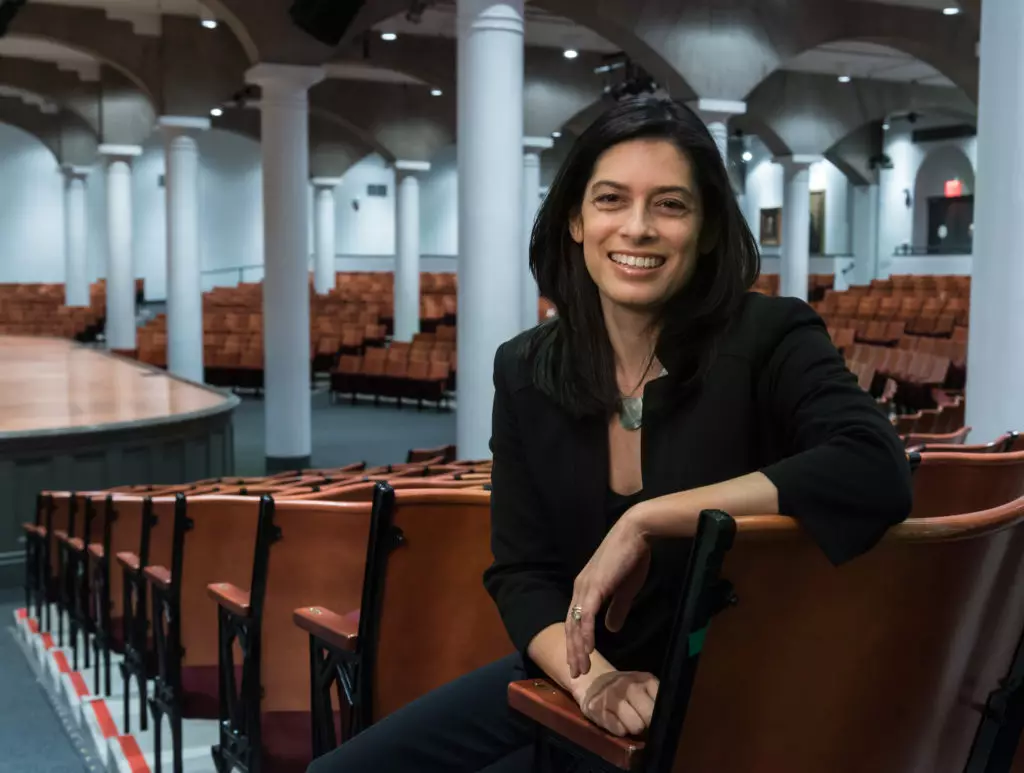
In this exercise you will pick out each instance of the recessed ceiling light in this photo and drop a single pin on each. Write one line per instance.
(556, 135)
(748, 156)
(570, 53)
(388, 36)
(844, 78)
(885, 126)
(436, 92)
(210, 24)
(951, 10)
(216, 112)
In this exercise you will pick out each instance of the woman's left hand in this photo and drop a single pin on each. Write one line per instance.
(617, 570)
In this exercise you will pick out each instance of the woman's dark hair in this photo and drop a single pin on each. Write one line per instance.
(572, 358)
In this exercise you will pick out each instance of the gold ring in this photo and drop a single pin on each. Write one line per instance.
(577, 614)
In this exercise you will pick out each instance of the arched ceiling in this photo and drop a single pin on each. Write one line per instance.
(378, 91)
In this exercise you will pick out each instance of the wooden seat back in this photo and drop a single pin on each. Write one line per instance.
(949, 483)
(424, 604)
(362, 491)
(124, 513)
(876, 665)
(217, 548)
(319, 560)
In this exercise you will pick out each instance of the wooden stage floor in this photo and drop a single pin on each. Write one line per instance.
(48, 385)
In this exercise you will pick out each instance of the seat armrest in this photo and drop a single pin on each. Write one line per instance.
(61, 535)
(159, 576)
(96, 550)
(231, 597)
(128, 560)
(555, 710)
(340, 631)
(76, 544)
(33, 528)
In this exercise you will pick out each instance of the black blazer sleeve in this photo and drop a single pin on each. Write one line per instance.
(846, 477)
(527, 578)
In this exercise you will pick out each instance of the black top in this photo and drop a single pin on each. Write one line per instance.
(777, 398)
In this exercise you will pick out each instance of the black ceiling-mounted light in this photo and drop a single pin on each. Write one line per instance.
(8, 10)
(325, 20)
(415, 13)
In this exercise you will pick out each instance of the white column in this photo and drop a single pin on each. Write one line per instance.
(76, 236)
(284, 108)
(184, 286)
(324, 230)
(120, 327)
(995, 369)
(865, 233)
(716, 113)
(407, 243)
(533, 147)
(796, 225)
(490, 130)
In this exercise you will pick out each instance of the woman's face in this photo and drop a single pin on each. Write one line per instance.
(640, 223)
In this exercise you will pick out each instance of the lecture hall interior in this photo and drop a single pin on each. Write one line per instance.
(257, 257)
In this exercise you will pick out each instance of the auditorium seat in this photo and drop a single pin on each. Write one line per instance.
(213, 541)
(306, 554)
(949, 483)
(424, 617)
(1005, 443)
(882, 667)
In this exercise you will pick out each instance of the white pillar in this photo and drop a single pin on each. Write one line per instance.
(76, 236)
(865, 233)
(184, 286)
(407, 243)
(533, 147)
(324, 230)
(490, 130)
(120, 274)
(794, 267)
(716, 113)
(995, 369)
(284, 108)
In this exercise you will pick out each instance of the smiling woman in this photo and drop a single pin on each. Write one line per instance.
(662, 389)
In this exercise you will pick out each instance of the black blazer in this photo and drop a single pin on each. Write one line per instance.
(777, 398)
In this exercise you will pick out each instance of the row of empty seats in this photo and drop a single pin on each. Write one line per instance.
(336, 581)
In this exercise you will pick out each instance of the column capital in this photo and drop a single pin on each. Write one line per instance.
(477, 15)
(797, 162)
(717, 109)
(411, 167)
(72, 172)
(284, 78)
(174, 125)
(537, 144)
(119, 152)
(326, 182)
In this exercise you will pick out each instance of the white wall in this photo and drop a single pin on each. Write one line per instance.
(439, 205)
(896, 219)
(370, 230)
(31, 210)
(764, 190)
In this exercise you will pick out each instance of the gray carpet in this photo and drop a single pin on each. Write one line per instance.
(32, 738)
(345, 433)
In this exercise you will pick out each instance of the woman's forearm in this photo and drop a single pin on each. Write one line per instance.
(547, 650)
(674, 515)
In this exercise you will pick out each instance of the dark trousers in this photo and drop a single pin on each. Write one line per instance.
(465, 726)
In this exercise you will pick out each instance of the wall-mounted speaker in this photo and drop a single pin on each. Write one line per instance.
(325, 20)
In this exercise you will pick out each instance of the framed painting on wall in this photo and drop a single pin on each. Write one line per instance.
(771, 227)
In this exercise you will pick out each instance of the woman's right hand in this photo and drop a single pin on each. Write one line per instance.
(621, 702)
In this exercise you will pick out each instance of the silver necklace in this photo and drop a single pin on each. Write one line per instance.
(631, 413)
(631, 410)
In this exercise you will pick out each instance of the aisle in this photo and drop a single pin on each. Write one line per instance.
(32, 737)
